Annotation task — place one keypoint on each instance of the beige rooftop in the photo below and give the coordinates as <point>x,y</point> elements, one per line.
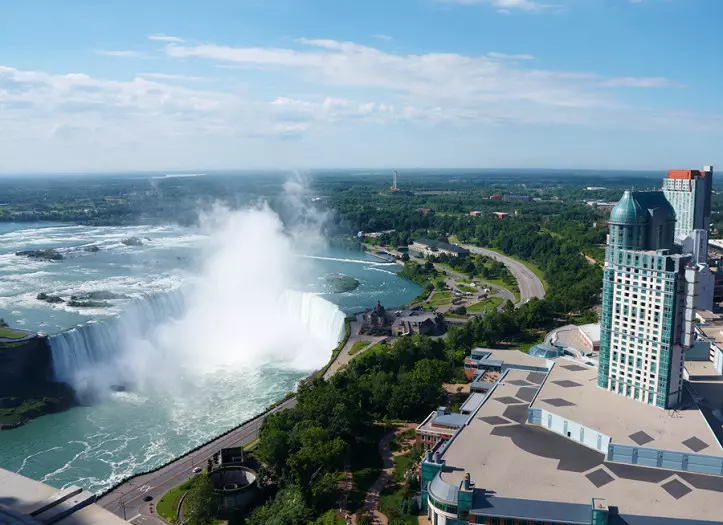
<point>505,455</point>
<point>620,417</point>
<point>21,496</point>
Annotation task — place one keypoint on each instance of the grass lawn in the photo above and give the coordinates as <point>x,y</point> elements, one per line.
<point>456,316</point>
<point>7,333</point>
<point>440,298</point>
<point>512,288</point>
<point>402,464</point>
<point>487,304</point>
<point>532,266</point>
<point>166,506</point>
<point>449,269</point>
<point>390,503</point>
<point>466,289</point>
<point>358,347</point>
<point>525,347</point>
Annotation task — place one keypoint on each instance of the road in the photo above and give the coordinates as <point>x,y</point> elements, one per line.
<point>127,502</point>
<point>529,284</point>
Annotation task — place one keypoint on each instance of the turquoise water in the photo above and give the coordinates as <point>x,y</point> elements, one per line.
<point>122,433</point>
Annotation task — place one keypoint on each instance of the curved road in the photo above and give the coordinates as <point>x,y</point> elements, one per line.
<point>529,284</point>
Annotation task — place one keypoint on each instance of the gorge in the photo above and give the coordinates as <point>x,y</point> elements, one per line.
<point>210,334</point>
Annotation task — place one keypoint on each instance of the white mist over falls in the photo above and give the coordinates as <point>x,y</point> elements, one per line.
<point>217,322</point>
<point>241,313</point>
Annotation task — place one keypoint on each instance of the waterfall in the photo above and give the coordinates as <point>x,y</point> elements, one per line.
<point>82,350</point>
<point>128,350</point>
<point>323,319</point>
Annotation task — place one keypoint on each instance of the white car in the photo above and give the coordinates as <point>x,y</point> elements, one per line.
<point>196,470</point>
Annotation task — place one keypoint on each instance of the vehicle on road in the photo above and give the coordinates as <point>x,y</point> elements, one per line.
<point>196,470</point>
<point>147,498</point>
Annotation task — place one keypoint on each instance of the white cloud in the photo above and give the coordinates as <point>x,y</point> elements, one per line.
<point>505,56</point>
<point>633,82</point>
<point>506,6</point>
<point>123,54</point>
<point>431,79</point>
<point>329,86</point>
<point>169,76</point>
<point>165,38</point>
<point>382,37</point>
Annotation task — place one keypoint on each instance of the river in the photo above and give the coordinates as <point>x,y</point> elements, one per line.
<point>204,336</point>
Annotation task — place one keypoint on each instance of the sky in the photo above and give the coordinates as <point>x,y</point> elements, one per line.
<point>119,85</point>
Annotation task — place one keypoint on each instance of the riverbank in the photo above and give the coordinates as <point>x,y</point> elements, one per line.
<point>163,478</point>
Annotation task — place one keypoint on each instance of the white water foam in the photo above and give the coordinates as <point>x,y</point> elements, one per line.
<point>241,313</point>
<point>339,259</point>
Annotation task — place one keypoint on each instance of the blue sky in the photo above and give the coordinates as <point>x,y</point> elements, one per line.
<point>177,84</point>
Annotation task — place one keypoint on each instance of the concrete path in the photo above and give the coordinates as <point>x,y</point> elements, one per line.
<point>529,284</point>
<point>371,501</point>
<point>344,357</point>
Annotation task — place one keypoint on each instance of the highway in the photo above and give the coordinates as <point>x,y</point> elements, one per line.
<point>529,284</point>
<point>127,500</point>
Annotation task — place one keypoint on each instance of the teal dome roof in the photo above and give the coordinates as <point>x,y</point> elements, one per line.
<point>628,211</point>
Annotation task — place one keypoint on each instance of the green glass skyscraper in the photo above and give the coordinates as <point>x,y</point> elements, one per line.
<point>647,320</point>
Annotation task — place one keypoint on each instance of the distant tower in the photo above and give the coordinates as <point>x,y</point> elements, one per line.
<point>394,184</point>
<point>689,191</point>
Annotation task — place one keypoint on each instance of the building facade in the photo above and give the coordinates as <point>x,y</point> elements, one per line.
<point>689,192</point>
<point>430,247</point>
<point>648,312</point>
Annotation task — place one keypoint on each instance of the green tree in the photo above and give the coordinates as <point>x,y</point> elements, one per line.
<point>287,508</point>
<point>201,502</point>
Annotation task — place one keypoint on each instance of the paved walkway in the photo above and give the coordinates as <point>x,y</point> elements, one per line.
<point>344,356</point>
<point>371,501</point>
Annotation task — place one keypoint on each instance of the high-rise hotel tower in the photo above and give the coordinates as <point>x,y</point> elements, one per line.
<point>689,191</point>
<point>648,310</point>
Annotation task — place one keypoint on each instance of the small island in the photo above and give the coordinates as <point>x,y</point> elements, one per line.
<point>97,299</point>
<point>342,283</point>
<point>132,241</point>
<point>99,295</point>
<point>46,255</point>
<point>52,299</point>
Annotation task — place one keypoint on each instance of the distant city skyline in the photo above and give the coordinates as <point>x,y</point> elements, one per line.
<point>173,85</point>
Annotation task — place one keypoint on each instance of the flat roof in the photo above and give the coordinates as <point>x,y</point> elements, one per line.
<point>592,331</point>
<point>511,459</point>
<point>702,370</point>
<point>21,495</point>
<point>515,357</point>
<point>472,402</point>
<point>441,245</point>
<point>620,417</point>
<point>713,330</point>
